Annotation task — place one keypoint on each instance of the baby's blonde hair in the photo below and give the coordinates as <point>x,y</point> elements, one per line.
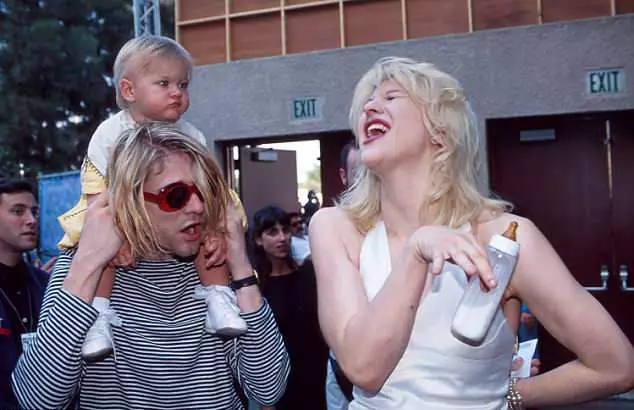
<point>138,52</point>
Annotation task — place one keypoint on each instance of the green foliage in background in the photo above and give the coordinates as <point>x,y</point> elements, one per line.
<point>56,61</point>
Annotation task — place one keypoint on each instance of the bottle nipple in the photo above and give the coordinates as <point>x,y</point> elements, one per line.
<point>511,231</point>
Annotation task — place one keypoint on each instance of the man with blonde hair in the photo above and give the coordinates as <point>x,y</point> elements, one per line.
<point>151,75</point>
<point>164,192</point>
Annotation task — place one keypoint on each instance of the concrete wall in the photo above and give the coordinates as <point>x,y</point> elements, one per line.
<point>523,71</point>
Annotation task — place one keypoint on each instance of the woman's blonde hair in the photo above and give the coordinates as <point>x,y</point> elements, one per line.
<point>137,53</point>
<point>448,118</point>
<point>140,153</point>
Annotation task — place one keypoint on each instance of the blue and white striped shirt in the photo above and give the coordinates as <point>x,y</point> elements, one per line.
<point>164,358</point>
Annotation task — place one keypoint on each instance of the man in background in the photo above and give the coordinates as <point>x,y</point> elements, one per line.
<point>348,160</point>
<point>311,206</point>
<point>300,248</point>
<point>22,285</point>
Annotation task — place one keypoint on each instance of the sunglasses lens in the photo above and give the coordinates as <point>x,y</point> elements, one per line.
<point>177,196</point>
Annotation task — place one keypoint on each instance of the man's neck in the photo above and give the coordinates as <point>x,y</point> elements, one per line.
<point>10,258</point>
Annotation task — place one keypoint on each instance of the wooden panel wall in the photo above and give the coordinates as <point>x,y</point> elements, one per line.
<point>312,29</point>
<point>296,2</point>
<point>489,14</point>
<point>624,6</point>
<point>256,36</point>
<point>564,10</point>
<point>238,6</point>
<point>197,9</point>
<point>263,28</point>
<point>373,21</point>
<point>436,17</point>
<point>206,42</point>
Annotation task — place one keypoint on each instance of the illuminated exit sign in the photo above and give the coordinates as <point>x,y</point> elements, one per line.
<point>307,109</point>
<point>608,81</point>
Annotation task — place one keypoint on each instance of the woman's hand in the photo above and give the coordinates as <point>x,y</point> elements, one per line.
<point>435,244</point>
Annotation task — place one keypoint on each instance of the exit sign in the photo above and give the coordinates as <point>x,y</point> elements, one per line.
<point>608,81</point>
<point>307,109</point>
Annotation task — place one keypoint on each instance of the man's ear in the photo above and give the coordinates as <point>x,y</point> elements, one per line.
<point>126,89</point>
<point>343,177</point>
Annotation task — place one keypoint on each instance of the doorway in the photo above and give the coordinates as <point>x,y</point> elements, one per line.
<point>265,173</point>
<point>573,175</point>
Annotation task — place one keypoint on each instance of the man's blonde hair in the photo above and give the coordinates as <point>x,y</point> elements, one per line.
<point>140,153</point>
<point>137,53</point>
<point>447,117</point>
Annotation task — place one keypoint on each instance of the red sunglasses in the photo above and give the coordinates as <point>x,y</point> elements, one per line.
<point>173,197</point>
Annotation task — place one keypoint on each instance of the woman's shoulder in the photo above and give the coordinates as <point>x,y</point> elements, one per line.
<point>329,218</point>
<point>333,230</point>
<point>490,224</point>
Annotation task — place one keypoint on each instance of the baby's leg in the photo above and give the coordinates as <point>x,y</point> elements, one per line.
<point>223,314</point>
<point>99,342</point>
<point>216,275</point>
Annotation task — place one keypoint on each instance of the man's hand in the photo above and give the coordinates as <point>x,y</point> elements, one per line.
<point>100,237</point>
<point>99,243</point>
<point>527,319</point>
<point>48,266</point>
<point>214,249</point>
<point>124,257</point>
<point>237,258</point>
<point>535,365</point>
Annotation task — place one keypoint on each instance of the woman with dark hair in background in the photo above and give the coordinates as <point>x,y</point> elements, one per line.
<point>292,294</point>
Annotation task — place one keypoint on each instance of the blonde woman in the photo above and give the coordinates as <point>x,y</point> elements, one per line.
<point>414,216</point>
<point>165,191</point>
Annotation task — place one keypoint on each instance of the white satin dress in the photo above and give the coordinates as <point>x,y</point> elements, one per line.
<point>437,371</point>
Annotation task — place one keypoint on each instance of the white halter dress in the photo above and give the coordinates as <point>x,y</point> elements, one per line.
<point>437,371</point>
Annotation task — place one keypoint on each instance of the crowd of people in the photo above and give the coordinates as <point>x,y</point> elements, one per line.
<point>165,296</point>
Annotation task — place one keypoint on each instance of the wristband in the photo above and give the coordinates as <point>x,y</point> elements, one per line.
<point>243,283</point>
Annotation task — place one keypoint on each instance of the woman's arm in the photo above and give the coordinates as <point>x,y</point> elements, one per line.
<point>605,364</point>
<point>369,337</point>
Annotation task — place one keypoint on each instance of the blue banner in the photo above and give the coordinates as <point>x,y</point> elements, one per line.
<point>57,194</point>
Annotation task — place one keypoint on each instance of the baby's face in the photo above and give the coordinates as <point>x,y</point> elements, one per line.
<point>160,90</point>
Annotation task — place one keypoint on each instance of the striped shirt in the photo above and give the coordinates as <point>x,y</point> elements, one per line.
<point>164,359</point>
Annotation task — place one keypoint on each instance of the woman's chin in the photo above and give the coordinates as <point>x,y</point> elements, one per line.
<point>372,159</point>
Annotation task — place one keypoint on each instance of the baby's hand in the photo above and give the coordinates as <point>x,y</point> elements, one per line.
<point>124,258</point>
<point>214,249</point>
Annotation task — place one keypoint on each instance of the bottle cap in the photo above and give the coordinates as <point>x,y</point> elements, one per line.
<point>505,245</point>
<point>511,231</point>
